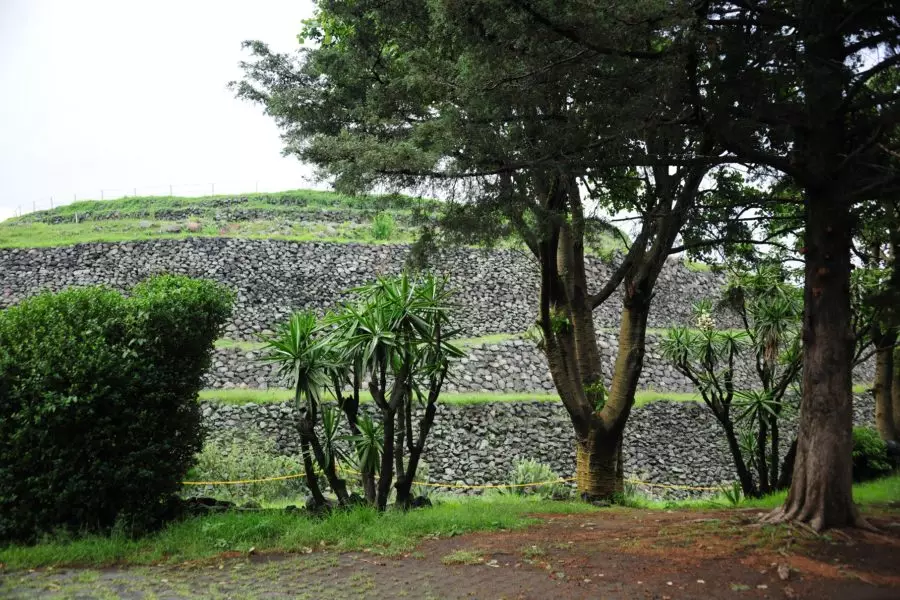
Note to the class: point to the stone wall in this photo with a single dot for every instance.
(674, 443)
(497, 289)
(510, 366)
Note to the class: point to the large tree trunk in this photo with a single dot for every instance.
(597, 455)
(883, 388)
(821, 488)
(895, 391)
(598, 448)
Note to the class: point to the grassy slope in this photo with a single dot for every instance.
(357, 529)
(135, 219)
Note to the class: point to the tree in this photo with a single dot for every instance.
(787, 85)
(403, 336)
(303, 360)
(875, 289)
(770, 309)
(532, 129)
(397, 336)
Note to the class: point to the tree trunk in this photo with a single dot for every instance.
(821, 488)
(404, 497)
(762, 469)
(744, 477)
(895, 391)
(597, 474)
(387, 459)
(883, 388)
(311, 481)
(598, 445)
(350, 406)
(774, 453)
(787, 467)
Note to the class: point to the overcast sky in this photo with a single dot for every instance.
(117, 94)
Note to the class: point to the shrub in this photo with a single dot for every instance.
(250, 456)
(528, 471)
(870, 457)
(98, 414)
(383, 226)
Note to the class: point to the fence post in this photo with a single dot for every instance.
(170, 190)
(101, 197)
(51, 202)
(213, 187)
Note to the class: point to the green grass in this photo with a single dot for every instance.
(363, 529)
(878, 492)
(148, 206)
(251, 396)
(463, 557)
(390, 533)
(483, 340)
(697, 267)
(225, 343)
(38, 235)
(121, 220)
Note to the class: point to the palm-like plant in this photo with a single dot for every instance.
(770, 310)
(304, 360)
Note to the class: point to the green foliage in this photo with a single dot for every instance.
(247, 456)
(870, 457)
(99, 420)
(529, 471)
(733, 494)
(383, 226)
(273, 531)
(770, 309)
(368, 443)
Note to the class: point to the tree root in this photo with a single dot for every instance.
(813, 521)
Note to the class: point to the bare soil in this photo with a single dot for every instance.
(627, 554)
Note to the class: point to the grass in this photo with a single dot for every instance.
(246, 346)
(483, 340)
(39, 235)
(148, 206)
(127, 219)
(878, 492)
(361, 529)
(697, 267)
(463, 557)
(358, 529)
(251, 396)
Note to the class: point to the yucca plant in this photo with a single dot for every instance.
(303, 360)
(770, 310)
(400, 333)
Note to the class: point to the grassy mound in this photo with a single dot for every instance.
(296, 215)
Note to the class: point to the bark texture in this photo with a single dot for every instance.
(883, 389)
(821, 487)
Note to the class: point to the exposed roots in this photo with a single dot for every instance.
(814, 520)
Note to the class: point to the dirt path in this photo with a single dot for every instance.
(627, 554)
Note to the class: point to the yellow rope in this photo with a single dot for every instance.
(243, 481)
(458, 485)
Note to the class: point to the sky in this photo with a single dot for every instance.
(113, 95)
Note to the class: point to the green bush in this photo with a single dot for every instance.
(98, 414)
(250, 456)
(383, 226)
(530, 471)
(870, 457)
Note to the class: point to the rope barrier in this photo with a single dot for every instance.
(460, 485)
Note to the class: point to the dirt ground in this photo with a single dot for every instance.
(627, 554)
